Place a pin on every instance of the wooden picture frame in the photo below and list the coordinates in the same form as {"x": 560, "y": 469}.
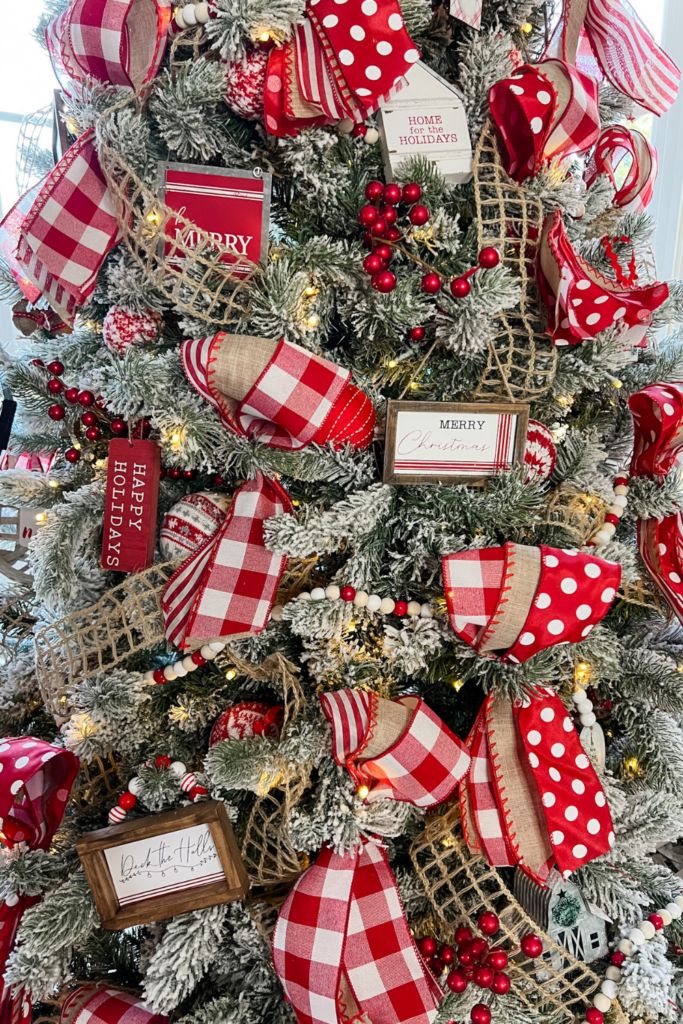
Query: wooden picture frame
{"x": 210, "y": 827}
{"x": 431, "y": 433}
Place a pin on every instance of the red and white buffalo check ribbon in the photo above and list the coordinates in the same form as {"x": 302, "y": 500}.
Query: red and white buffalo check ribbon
{"x": 117, "y": 41}
{"x": 513, "y": 601}
{"x": 228, "y": 586}
{"x": 36, "y": 782}
{"x": 532, "y": 797}
{"x": 422, "y": 767}
{"x": 657, "y": 413}
{"x": 102, "y": 1004}
{"x": 635, "y": 192}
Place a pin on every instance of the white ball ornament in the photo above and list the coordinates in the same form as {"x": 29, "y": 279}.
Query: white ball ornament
{"x": 679, "y": 901}
{"x": 188, "y": 782}
{"x": 414, "y": 608}
{"x": 345, "y": 126}
{"x": 588, "y": 719}
{"x": 317, "y": 594}
{"x": 177, "y": 768}
{"x": 189, "y": 16}
{"x": 277, "y": 613}
{"x": 116, "y": 815}
{"x": 189, "y": 664}
{"x": 674, "y": 910}
{"x": 179, "y": 669}
{"x": 135, "y": 786}
{"x": 201, "y": 13}
{"x": 620, "y": 500}
{"x": 626, "y": 947}
{"x": 217, "y": 646}
{"x": 426, "y": 612}
{"x": 665, "y": 916}
{"x": 613, "y": 973}
{"x": 169, "y": 673}
{"x": 371, "y": 137}
{"x": 207, "y": 653}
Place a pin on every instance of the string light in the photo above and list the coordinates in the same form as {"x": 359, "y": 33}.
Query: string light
{"x": 527, "y": 28}
{"x": 679, "y": 668}
{"x": 414, "y": 385}
{"x": 617, "y": 384}
{"x": 457, "y": 684}
{"x": 177, "y": 438}
{"x": 632, "y": 767}
{"x": 311, "y": 291}
{"x": 231, "y": 674}
{"x": 583, "y": 673}
{"x": 313, "y": 320}
{"x": 100, "y": 463}
{"x": 392, "y": 363}
{"x": 153, "y": 217}
{"x": 41, "y": 517}
{"x": 363, "y": 792}
{"x": 54, "y": 484}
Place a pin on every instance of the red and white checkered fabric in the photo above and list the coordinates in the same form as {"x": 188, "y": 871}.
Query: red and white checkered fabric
{"x": 472, "y": 584}
{"x": 479, "y": 806}
{"x": 228, "y": 586}
{"x": 634, "y": 193}
{"x": 117, "y": 41}
{"x": 69, "y": 230}
{"x": 102, "y": 1004}
{"x": 468, "y": 11}
{"x": 422, "y": 767}
{"x": 342, "y": 936}
{"x": 582, "y": 302}
{"x": 535, "y": 124}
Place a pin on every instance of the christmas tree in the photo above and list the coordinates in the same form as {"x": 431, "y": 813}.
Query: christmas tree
{"x": 341, "y": 656}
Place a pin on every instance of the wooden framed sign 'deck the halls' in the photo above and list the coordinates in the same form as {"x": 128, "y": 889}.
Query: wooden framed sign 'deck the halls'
{"x": 163, "y": 865}
{"x": 452, "y": 442}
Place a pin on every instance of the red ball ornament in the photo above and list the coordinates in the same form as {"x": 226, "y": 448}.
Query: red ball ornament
{"x": 479, "y": 948}
{"x": 162, "y": 761}
{"x": 447, "y": 954}
{"x": 384, "y": 251}
{"x": 488, "y": 922}
{"x": 500, "y": 984}
{"x": 56, "y": 412}
{"x": 86, "y": 398}
{"x": 188, "y": 474}
{"x": 174, "y": 473}
{"x": 158, "y": 676}
{"x": 498, "y": 959}
{"x": 401, "y": 608}
{"x": 391, "y": 193}
{"x": 417, "y": 333}
{"x": 480, "y": 1014}
{"x": 118, "y": 426}
{"x": 462, "y": 935}
{"x": 372, "y": 264}
{"x": 93, "y": 434}
{"x": 436, "y": 966}
{"x": 419, "y": 215}
{"x": 489, "y": 258}
{"x": 531, "y": 945}
{"x": 392, "y": 234}
{"x": 379, "y": 228}
{"x": 367, "y": 215}
{"x": 37, "y": 362}
{"x": 360, "y": 131}
{"x": 374, "y": 190}
{"x": 384, "y": 282}
{"x": 431, "y": 284}
{"x": 56, "y": 367}
{"x": 657, "y": 921}
{"x": 127, "y": 800}
{"x": 594, "y": 1016}
{"x": 460, "y": 287}
{"x": 347, "y": 593}
{"x": 218, "y": 480}
{"x": 389, "y": 214}
{"x": 618, "y": 958}
{"x": 456, "y": 981}
{"x": 483, "y": 976}
{"x": 142, "y": 428}
{"x": 427, "y": 945}
{"x": 72, "y": 455}
{"x": 54, "y": 386}
{"x": 88, "y": 419}
{"x": 411, "y": 192}
{"x": 71, "y": 395}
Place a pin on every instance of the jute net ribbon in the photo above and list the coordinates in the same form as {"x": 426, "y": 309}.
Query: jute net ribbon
{"x": 459, "y": 886}
{"x": 521, "y": 361}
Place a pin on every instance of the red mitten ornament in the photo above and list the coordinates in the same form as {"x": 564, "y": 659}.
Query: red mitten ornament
{"x": 540, "y": 454}
{"x": 192, "y": 522}
{"x": 245, "y": 83}
{"x": 124, "y": 327}
{"x": 513, "y": 601}
{"x": 247, "y": 719}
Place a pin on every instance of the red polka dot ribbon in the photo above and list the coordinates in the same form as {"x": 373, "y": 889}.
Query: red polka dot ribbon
{"x": 532, "y": 797}
{"x": 513, "y": 601}
{"x": 657, "y": 413}
{"x": 36, "y": 783}
{"x": 616, "y": 145}
{"x": 582, "y": 302}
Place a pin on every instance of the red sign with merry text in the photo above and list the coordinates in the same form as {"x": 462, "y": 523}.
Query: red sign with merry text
{"x": 130, "y": 513}
{"x": 233, "y": 207}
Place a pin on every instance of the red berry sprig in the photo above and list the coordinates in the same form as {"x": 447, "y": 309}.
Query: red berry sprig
{"x": 380, "y": 222}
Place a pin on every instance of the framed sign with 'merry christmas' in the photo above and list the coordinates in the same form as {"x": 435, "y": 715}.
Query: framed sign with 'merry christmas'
{"x": 231, "y": 206}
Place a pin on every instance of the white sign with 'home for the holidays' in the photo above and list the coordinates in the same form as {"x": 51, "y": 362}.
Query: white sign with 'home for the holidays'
{"x": 464, "y": 444}
{"x": 163, "y": 863}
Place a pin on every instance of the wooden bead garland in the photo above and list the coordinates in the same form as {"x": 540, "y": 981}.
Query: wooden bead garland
{"x": 187, "y": 781}
{"x": 190, "y": 15}
{"x": 604, "y": 534}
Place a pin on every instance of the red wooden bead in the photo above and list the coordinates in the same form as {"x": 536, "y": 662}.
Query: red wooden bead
{"x": 456, "y": 981}
{"x": 594, "y": 1016}
{"x": 72, "y": 455}
{"x": 621, "y": 481}
{"x": 128, "y": 801}
{"x": 657, "y": 921}
{"x": 367, "y": 215}
{"x": 188, "y": 474}
{"x": 500, "y": 984}
{"x": 447, "y": 954}
{"x": 175, "y": 473}
{"x": 391, "y": 193}
{"x": 411, "y": 192}
{"x": 480, "y": 1014}
{"x": 198, "y": 658}
{"x": 431, "y": 284}
{"x": 462, "y": 935}
{"x": 197, "y": 791}
{"x": 427, "y": 945}
{"x": 531, "y": 945}
{"x": 419, "y": 215}
{"x": 347, "y": 593}
{"x": 611, "y": 518}
{"x": 488, "y": 922}
{"x": 360, "y": 131}
{"x": 417, "y": 333}
{"x": 56, "y": 412}
{"x": 86, "y": 398}
{"x": 489, "y": 257}
{"x": 56, "y": 367}
{"x": 55, "y": 386}
{"x": 158, "y": 676}
{"x": 401, "y": 608}
{"x": 460, "y": 288}
{"x": 498, "y": 959}
{"x": 162, "y": 761}
{"x": 373, "y": 190}
{"x": 483, "y": 976}
{"x": 71, "y": 395}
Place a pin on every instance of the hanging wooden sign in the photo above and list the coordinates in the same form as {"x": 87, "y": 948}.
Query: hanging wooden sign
{"x": 452, "y": 442}
{"x": 426, "y": 118}
{"x": 130, "y": 512}
{"x": 163, "y": 865}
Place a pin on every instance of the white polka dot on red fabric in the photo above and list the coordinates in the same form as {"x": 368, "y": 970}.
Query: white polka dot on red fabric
{"x": 571, "y": 813}
{"x": 357, "y": 33}
{"x": 12, "y": 899}
{"x": 577, "y": 302}
{"x": 557, "y": 837}
{"x": 581, "y": 761}
{"x": 346, "y": 58}
{"x": 533, "y": 760}
{"x": 373, "y": 72}
{"x": 363, "y": 92}
{"x": 551, "y": 561}
{"x": 47, "y": 757}
{"x": 584, "y": 611}
{"x": 600, "y": 798}
{"x": 517, "y": 90}
{"x": 542, "y": 601}
{"x": 610, "y": 838}
{"x": 369, "y": 7}
{"x": 4, "y": 747}
{"x": 543, "y": 97}
{"x": 557, "y": 749}
{"x": 533, "y": 737}
{"x": 592, "y": 569}
{"x": 620, "y": 313}
{"x": 674, "y": 577}
{"x": 583, "y": 285}
{"x": 411, "y": 56}
{"x": 567, "y": 724}
{"x": 548, "y": 799}
{"x": 587, "y": 630}
{"x": 331, "y": 20}
{"x": 579, "y": 851}
{"x": 592, "y": 319}
{"x": 21, "y": 762}
{"x": 271, "y": 123}
{"x": 593, "y": 826}
{"x": 384, "y": 48}
{"x": 578, "y": 786}
{"x": 273, "y": 83}
{"x": 601, "y": 300}
{"x": 536, "y": 125}
{"x": 608, "y": 595}
{"x": 555, "y": 775}
{"x": 555, "y": 626}
{"x": 668, "y": 409}
{"x": 395, "y": 22}
{"x": 547, "y": 715}
{"x": 526, "y": 639}
{"x": 16, "y": 785}
{"x": 62, "y": 794}
{"x": 568, "y": 585}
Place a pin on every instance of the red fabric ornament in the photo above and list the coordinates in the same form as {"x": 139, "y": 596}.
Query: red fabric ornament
{"x": 245, "y": 82}
{"x": 240, "y": 721}
{"x": 540, "y": 453}
{"x": 123, "y": 327}
{"x": 192, "y": 522}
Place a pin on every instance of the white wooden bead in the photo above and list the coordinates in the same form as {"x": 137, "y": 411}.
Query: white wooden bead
{"x": 588, "y": 719}
{"x": 621, "y": 489}
{"x": 189, "y": 17}
{"x": 177, "y": 768}
{"x": 277, "y": 612}
{"x": 317, "y": 594}
{"x": 178, "y": 18}
{"x": 665, "y": 916}
{"x": 620, "y": 500}
{"x": 636, "y": 937}
{"x": 413, "y": 608}
{"x": 207, "y": 653}
{"x": 345, "y": 126}
{"x": 602, "y": 537}
{"x": 371, "y": 137}
{"x": 361, "y": 598}
{"x": 608, "y": 528}
{"x": 578, "y": 696}
{"x": 387, "y": 606}
{"x": 609, "y": 989}
{"x": 679, "y": 901}
{"x": 135, "y": 786}
{"x": 148, "y": 677}
{"x": 647, "y": 928}
{"x": 217, "y": 646}
{"x": 188, "y": 663}
{"x": 626, "y": 947}
{"x": 601, "y": 1002}
{"x": 201, "y": 13}
{"x": 584, "y": 706}
{"x": 613, "y": 973}
{"x": 332, "y": 593}
{"x": 304, "y": 596}
{"x": 169, "y": 673}
{"x": 615, "y": 510}
{"x": 374, "y": 602}
{"x": 426, "y": 611}
{"x": 180, "y": 669}
{"x": 674, "y": 910}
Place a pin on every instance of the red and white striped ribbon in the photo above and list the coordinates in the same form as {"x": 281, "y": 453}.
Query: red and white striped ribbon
{"x": 618, "y": 143}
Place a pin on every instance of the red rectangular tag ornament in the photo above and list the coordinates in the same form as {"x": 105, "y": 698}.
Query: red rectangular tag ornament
{"x": 130, "y": 513}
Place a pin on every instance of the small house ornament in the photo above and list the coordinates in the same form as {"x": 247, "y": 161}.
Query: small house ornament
{"x": 426, "y": 118}
{"x": 561, "y": 910}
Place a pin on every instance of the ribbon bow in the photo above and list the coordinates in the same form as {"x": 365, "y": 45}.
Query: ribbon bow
{"x": 342, "y": 61}
{"x": 581, "y": 301}
{"x": 102, "y": 1004}
{"x": 36, "y": 782}
{"x": 635, "y": 193}
{"x": 513, "y": 601}
{"x": 532, "y": 797}
{"x": 342, "y": 947}
{"x": 657, "y": 413}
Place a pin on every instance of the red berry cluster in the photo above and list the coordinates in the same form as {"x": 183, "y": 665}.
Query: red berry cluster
{"x": 460, "y": 287}
{"x": 379, "y": 217}
{"x": 471, "y": 959}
